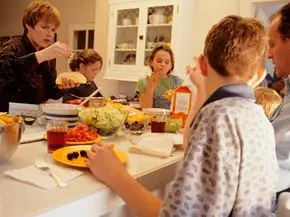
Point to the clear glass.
(158, 123)
(56, 134)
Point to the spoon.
(90, 96)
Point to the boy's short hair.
(268, 98)
(85, 57)
(236, 46)
(38, 10)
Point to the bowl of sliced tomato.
(81, 134)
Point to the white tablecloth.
(85, 196)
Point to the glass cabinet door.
(126, 37)
(159, 28)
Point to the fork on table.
(42, 165)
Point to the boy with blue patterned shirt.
(230, 165)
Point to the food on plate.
(77, 77)
(173, 124)
(81, 133)
(72, 155)
(76, 155)
(106, 120)
(168, 94)
(137, 122)
(83, 153)
(9, 119)
(74, 101)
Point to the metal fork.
(42, 165)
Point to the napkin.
(177, 137)
(43, 179)
(31, 137)
(158, 146)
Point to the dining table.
(85, 195)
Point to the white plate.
(72, 119)
(65, 110)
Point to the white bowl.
(70, 122)
(150, 45)
(126, 22)
(60, 110)
(157, 19)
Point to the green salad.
(106, 119)
(173, 124)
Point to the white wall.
(11, 16)
(207, 13)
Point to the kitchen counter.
(85, 195)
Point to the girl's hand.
(153, 80)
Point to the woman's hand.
(67, 83)
(104, 164)
(153, 80)
(55, 50)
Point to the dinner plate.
(60, 155)
(80, 142)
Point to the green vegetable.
(173, 124)
(106, 119)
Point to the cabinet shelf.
(160, 25)
(124, 50)
(126, 26)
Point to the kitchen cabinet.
(137, 26)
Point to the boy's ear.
(261, 74)
(28, 27)
(202, 60)
(82, 66)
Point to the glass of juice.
(56, 135)
(158, 122)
